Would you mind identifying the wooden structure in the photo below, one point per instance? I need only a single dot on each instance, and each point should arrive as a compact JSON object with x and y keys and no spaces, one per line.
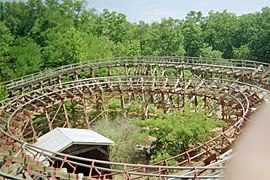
{"x":77,"y":142}
{"x":68,"y":96}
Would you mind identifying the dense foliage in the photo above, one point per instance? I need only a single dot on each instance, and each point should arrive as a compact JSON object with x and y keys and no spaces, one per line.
{"x":36,"y":35}
{"x":3,"y":92}
{"x":127,"y":138}
{"x":177,"y":131}
{"x":159,"y":136}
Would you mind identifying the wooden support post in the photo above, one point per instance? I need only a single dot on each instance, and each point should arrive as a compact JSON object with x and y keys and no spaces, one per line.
{"x":34,"y":132}
{"x":75,"y":76}
{"x":176,"y":72}
{"x":48,"y":119}
{"x":123,"y":106}
{"x":143,"y":70}
{"x":183,"y":72}
{"x":222,"y":102}
{"x":109,"y":71}
{"x":66,"y":115}
{"x":57,"y":111}
{"x":196,"y":102}
{"x":205,"y":98}
{"x":136,"y":69}
{"x":73,"y":113}
{"x":85,"y":113}
{"x":126,"y":69}
{"x":92,"y":72}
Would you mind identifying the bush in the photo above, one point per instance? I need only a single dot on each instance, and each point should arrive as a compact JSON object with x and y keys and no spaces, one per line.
{"x":178,"y":131}
{"x":127,"y":137}
{"x":3,"y":92}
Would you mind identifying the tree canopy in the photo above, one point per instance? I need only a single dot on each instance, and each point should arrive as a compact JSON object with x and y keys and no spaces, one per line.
{"x":36,"y":35}
{"x":178,"y":131}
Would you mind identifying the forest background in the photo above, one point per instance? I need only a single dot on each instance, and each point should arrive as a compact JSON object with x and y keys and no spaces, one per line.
{"x":36,"y":35}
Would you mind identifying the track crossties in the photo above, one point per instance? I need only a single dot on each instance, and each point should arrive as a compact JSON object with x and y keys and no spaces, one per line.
{"x":37,"y":103}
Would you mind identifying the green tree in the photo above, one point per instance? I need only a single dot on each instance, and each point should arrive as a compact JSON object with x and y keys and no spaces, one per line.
{"x":166,"y":38}
{"x":143,"y":34}
{"x":73,"y":47}
{"x":249,"y":25}
{"x":97,"y":47}
{"x":241,"y":53}
{"x":63,"y":49}
{"x":6,"y":41}
{"x":259,"y":44}
{"x":112,"y":25}
{"x":127,"y":138}
{"x":219,"y":31}
{"x":128,"y":48}
{"x":25,"y":57}
{"x":3,"y":92}
{"x":15,"y":16}
{"x":20,"y":17}
{"x":177,"y":131}
{"x":208,"y":52}
{"x":89,"y":22}
{"x":193,"y":35}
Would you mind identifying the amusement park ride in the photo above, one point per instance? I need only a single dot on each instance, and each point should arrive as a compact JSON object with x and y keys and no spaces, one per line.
{"x":233,"y":89}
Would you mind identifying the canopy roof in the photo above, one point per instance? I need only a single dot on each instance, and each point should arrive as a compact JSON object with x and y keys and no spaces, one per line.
{"x":60,"y":139}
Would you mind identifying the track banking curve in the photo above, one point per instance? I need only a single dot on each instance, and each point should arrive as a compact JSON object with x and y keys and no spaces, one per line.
{"x":231,"y":89}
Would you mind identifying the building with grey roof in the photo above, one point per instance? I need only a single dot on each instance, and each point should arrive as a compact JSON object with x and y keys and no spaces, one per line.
{"x":79,"y":142}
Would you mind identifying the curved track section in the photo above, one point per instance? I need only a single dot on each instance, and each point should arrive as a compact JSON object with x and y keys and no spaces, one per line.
{"x":230,"y":89}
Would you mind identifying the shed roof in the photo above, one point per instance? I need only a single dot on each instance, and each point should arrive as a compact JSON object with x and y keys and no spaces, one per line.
{"x":59,"y":139}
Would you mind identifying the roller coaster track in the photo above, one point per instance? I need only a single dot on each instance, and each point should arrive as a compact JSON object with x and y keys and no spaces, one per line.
{"x":231,"y":89}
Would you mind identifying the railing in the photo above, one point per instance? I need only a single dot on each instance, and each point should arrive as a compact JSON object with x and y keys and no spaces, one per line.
{"x":10,"y":108}
{"x":139,"y":59}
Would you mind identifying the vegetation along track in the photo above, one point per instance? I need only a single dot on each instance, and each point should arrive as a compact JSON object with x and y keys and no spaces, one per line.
{"x":231,"y":89}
